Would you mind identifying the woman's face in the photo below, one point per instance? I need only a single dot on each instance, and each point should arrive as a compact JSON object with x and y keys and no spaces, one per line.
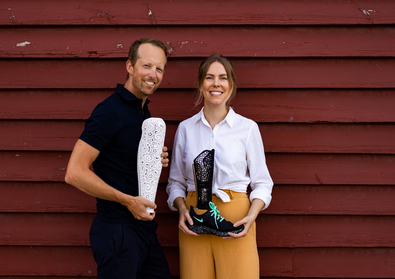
{"x":216,"y":88}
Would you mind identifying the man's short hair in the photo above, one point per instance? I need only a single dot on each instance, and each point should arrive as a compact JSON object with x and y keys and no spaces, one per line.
{"x":134,"y":48}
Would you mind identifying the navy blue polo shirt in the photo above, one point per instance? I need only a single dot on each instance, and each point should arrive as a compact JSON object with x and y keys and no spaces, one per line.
{"x":114,"y":128}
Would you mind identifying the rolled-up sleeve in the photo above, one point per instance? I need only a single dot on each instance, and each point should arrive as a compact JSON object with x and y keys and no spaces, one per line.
{"x":261,"y":182}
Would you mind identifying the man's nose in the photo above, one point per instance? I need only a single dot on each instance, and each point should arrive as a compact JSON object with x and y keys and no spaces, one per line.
{"x":152,"y":73}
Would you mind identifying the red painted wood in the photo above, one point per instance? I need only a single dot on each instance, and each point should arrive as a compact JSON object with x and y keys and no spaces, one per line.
{"x":313,"y":169}
{"x":325,"y":231}
{"x":270,"y":105}
{"x":49,"y":261}
{"x":332,"y":200}
{"x":58,"y":261}
{"x":33,"y":166}
{"x":329,"y":138}
{"x":241,"y":41}
{"x":51,"y":135}
{"x":49,"y":277}
{"x":23,"y":229}
{"x":45,"y":229}
{"x":287,"y":199}
{"x":44,"y":197}
{"x":251,"y":73}
{"x":300,"y":138}
{"x":345,"y":263}
{"x":299,"y":262}
{"x":303,"y":105}
{"x":330,"y":169}
{"x":50,"y":104}
{"x":77,"y":12}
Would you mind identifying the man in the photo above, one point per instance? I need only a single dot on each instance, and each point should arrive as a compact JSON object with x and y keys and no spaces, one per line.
{"x":123,"y":235}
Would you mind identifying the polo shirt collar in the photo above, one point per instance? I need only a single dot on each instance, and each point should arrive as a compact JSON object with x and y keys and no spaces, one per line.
{"x":127,"y":95}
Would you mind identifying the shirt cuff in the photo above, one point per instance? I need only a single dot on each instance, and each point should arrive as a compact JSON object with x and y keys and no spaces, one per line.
{"x":262,"y":195}
{"x":175,"y":193}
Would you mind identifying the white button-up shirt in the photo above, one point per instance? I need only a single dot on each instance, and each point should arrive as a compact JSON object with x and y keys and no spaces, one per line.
{"x":239,"y":158}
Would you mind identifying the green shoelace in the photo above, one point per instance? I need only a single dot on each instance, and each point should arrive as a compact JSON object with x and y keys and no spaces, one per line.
{"x":215,"y":213}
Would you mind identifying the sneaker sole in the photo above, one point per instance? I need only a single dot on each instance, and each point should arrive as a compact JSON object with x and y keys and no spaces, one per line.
{"x":199,"y":229}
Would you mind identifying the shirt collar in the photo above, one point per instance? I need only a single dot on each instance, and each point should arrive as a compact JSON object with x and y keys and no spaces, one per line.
{"x":127,"y":95}
{"x":230,"y":117}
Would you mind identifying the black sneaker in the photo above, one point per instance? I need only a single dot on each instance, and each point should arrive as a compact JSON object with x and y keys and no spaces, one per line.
{"x":211,"y":222}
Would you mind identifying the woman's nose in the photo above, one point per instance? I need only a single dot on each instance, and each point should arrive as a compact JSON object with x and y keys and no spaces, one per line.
{"x":216,"y":82}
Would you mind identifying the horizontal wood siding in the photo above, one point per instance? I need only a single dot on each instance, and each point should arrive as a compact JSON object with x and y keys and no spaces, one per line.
{"x":317,"y":76}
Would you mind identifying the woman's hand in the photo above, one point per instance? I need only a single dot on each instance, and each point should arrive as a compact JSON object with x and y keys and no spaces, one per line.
{"x":247,"y":221}
{"x":179,"y":203}
{"x":185,"y":217}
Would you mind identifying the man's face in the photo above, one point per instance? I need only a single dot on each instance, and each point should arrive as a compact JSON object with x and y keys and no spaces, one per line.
{"x":147,"y":73}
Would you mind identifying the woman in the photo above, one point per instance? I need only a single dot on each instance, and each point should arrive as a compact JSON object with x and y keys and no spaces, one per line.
{"x":239,"y":161}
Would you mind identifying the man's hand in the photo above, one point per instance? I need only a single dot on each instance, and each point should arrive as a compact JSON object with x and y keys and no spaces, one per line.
{"x":165,"y":155}
{"x":138,"y":207}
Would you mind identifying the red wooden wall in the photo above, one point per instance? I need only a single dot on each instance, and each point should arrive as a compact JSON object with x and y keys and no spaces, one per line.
{"x":317,"y":75}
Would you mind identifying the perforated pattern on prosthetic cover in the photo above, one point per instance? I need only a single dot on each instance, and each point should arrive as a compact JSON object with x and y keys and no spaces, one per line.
{"x":203,"y":168}
{"x":148,"y":158}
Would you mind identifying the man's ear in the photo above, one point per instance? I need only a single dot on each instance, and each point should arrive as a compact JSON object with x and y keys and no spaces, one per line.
{"x":129,"y":67}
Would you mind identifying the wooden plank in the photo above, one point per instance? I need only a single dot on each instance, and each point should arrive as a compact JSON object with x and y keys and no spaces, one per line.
{"x":22,"y":229}
{"x":300,"y":138}
{"x":287,"y":199}
{"x":270,"y":105}
{"x":344,"y":263}
{"x":58,"y":261}
{"x":242,"y":41}
{"x":44,"y":197}
{"x":329,"y":138}
{"x":48,"y":261}
{"x":50,"y":104}
{"x":89,"y":12}
{"x":52,"y":277}
{"x":298,"y":262}
{"x":39,"y":229}
{"x":325,"y":231}
{"x":313,"y":169}
{"x":33,"y":166}
{"x":331,"y":169}
{"x":51,"y":135}
{"x":78,"y":261}
{"x":273,"y":73}
{"x":332,"y":200}
{"x":303,"y":105}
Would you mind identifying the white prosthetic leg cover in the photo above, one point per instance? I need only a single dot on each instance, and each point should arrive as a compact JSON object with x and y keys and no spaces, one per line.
{"x":148,"y":158}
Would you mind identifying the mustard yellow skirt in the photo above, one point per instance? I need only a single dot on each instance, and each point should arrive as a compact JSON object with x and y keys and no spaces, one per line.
{"x":212,"y":257}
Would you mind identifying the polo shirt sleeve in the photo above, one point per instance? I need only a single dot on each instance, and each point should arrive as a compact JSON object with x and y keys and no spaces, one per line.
{"x":100,"y":127}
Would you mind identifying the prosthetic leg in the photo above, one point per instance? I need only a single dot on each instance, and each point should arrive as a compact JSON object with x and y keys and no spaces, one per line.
{"x":210,"y":222}
{"x":203,"y":167}
{"x":148,"y":159}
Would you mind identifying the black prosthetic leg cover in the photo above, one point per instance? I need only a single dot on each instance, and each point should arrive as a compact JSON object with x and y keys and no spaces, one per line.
{"x":203,"y":166}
